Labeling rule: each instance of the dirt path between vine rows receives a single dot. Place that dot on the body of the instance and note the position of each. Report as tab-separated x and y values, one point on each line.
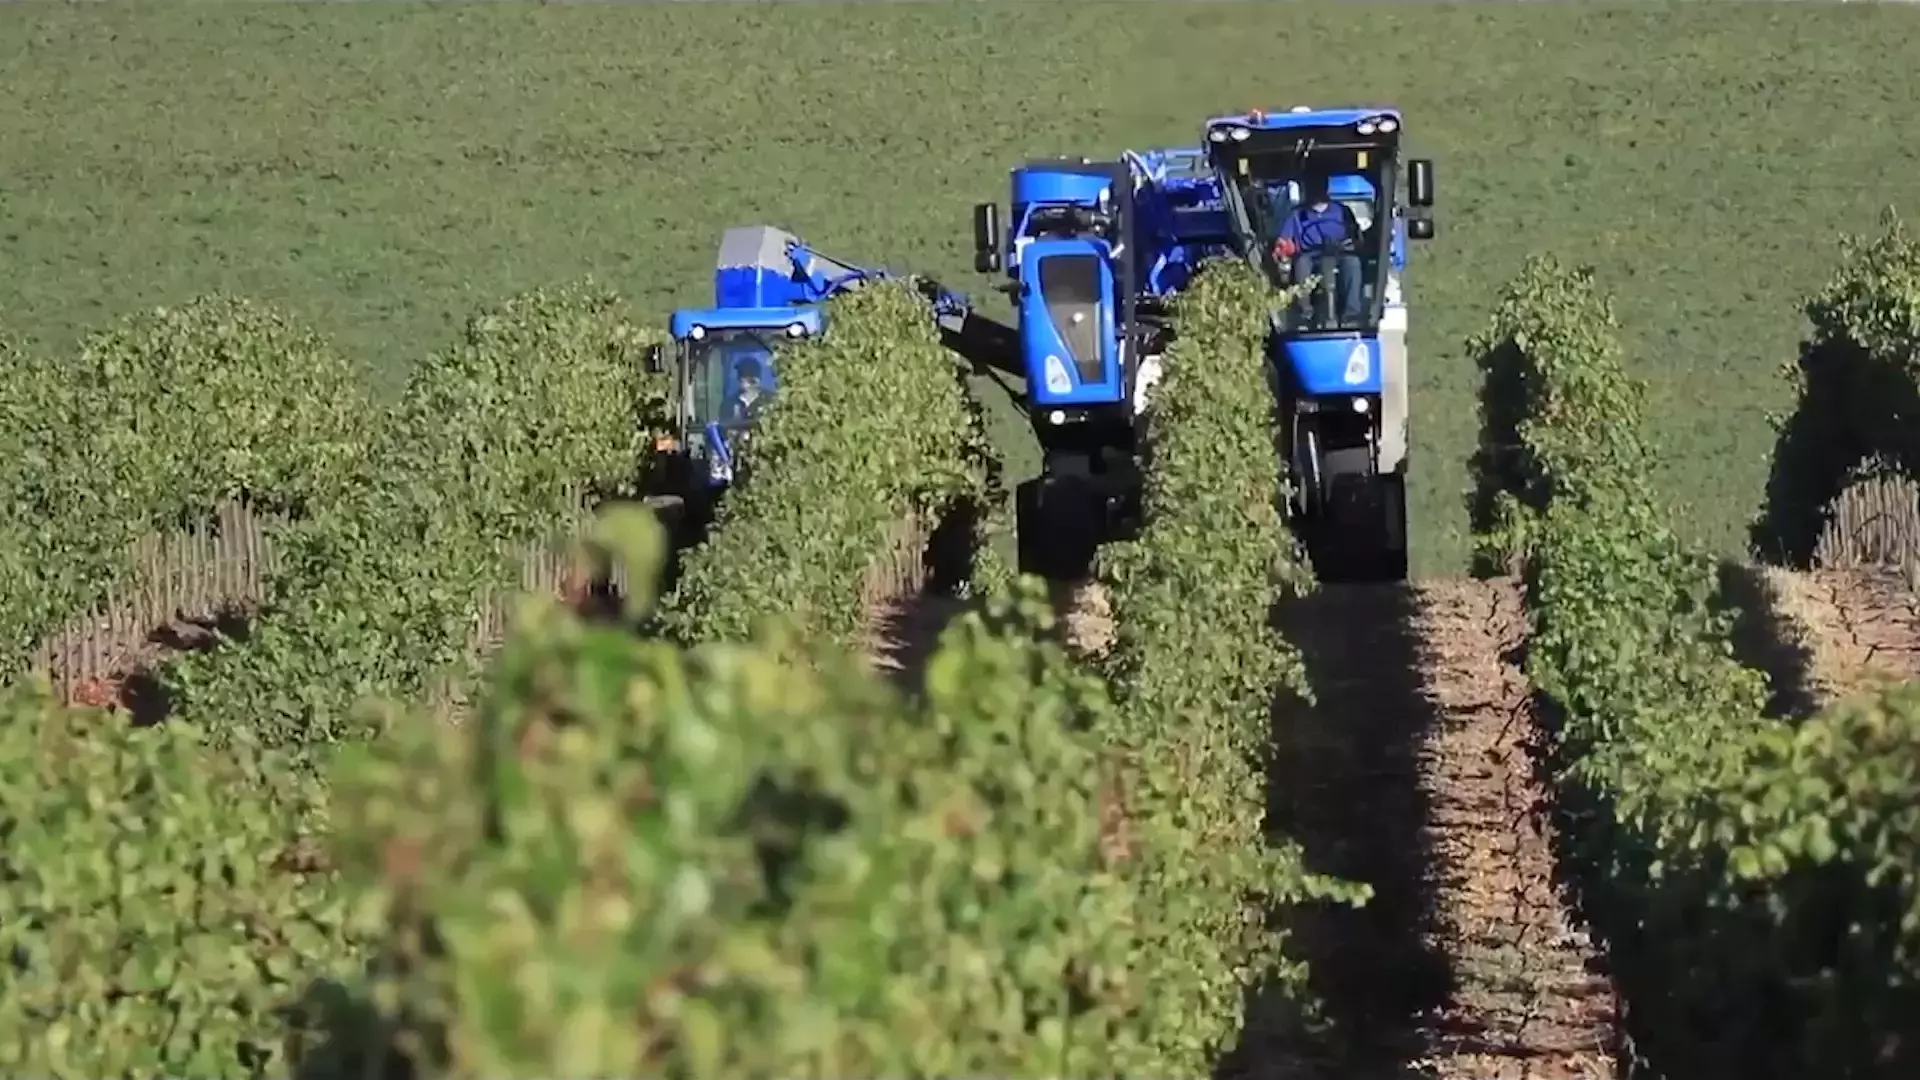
1413	773
1086	616
904	633
1851	629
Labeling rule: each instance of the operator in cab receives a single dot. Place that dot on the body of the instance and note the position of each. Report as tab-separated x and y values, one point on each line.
1322	237
744	409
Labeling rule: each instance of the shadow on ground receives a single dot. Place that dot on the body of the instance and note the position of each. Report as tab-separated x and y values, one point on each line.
1852	413
141	691
905	630
1345	784
1763	641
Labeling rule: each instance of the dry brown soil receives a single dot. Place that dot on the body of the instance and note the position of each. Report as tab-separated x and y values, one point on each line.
903	633
1852	629
1529	998
1413	772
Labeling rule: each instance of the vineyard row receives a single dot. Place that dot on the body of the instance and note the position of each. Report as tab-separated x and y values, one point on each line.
1752	876
726	847
783	813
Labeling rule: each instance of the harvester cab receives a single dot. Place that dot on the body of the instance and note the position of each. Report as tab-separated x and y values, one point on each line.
1339	354
768	290
724	375
1074	280
1093	249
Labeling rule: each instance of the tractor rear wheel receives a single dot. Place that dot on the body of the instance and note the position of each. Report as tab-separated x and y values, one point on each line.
1363	538
1057	527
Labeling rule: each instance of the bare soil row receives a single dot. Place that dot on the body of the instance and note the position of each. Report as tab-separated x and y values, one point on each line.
1845	630
903	633
1414	769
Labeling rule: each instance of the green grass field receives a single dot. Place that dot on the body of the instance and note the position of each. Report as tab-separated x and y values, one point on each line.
385	170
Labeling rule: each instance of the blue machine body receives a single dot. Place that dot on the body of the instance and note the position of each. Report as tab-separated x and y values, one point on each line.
811	319
1068	301
1085	242
768	287
1327	362
1323	366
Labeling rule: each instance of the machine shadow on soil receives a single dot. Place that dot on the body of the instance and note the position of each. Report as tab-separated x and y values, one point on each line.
1344	783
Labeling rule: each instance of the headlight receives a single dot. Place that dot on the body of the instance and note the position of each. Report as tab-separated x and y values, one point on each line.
1366	127
1057	379
1359	366
697	332
1388	125
796	330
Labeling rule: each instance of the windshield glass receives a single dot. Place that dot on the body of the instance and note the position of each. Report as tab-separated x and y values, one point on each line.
729	377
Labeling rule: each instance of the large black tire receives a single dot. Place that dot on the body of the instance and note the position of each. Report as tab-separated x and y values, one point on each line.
1026	525
669	510
1393	507
1368	525
1364	537
1057	527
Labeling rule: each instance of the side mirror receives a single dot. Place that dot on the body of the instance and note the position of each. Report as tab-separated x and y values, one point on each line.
1420	182
986	238
1420	228
656	360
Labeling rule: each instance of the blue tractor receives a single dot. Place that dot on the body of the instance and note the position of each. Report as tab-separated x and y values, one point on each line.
1341	375
769	289
1093	250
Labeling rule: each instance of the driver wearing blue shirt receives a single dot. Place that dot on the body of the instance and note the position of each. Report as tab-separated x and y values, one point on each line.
1322	237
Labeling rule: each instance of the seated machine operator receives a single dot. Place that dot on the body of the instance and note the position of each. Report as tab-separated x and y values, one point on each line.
744	408
1322	236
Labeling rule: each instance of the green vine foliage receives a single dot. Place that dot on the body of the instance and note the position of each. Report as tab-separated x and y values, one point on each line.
1196	666
871	429
491	448
167	905
163	902
1856	389
1874	298
744	859
156	421
1754	879
39	413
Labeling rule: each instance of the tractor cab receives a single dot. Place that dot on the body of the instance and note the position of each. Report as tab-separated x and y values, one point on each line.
1339	352
725	374
1269	164
1377	269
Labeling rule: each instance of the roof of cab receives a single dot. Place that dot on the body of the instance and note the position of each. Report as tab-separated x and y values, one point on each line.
1281	119
811	319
